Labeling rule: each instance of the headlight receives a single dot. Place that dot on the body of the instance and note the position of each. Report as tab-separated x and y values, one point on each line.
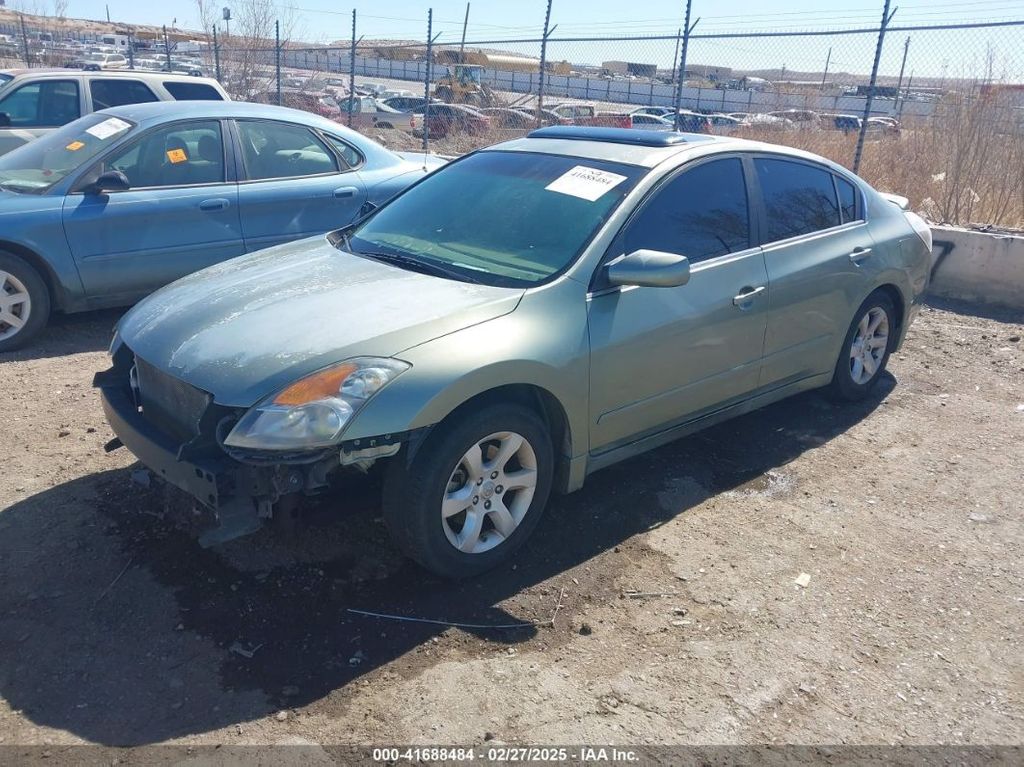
314	411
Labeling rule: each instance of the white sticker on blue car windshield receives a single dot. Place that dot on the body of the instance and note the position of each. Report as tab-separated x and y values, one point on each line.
585	183
108	128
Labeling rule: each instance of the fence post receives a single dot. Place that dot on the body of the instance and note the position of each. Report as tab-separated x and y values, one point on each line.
426	80
352	71
216	54
277	58
24	40
543	62
131	51
167	49
886	18
899	83
682	63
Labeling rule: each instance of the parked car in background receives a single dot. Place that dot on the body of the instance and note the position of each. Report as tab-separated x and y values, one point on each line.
520	319
35	101
656	111
723	124
888	126
634	120
116	204
547	116
445	119
509	119
95	62
692	122
182	67
804	119
766	122
844	123
369	112
404	103
587	114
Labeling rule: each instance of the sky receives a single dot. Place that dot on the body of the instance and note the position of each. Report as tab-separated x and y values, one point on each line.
933	53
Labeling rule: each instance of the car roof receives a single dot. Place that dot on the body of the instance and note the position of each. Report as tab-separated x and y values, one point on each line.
643	148
157	111
107	73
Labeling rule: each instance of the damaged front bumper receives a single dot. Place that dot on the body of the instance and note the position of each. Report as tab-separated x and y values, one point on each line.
241	490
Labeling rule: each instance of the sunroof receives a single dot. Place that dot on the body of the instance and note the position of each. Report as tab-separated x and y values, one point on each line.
617	135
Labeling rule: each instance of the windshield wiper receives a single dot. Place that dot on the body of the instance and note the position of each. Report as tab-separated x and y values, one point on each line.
416	265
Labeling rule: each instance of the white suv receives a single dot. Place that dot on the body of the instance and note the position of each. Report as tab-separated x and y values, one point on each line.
35	101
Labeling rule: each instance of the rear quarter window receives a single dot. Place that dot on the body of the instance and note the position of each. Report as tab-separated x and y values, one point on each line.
192	91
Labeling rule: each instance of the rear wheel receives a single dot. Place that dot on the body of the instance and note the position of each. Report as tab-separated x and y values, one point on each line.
474	491
24	302
866	348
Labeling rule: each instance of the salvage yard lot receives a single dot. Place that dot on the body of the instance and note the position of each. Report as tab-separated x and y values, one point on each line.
671	578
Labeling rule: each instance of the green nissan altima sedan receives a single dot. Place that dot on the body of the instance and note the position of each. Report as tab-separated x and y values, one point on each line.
513	322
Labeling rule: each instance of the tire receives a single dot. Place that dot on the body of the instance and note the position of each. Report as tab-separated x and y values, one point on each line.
853	378
19	279
414	495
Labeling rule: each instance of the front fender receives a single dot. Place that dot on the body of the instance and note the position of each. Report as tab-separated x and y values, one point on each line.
33	225
524	347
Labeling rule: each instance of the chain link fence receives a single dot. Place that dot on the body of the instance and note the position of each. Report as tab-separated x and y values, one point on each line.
939	118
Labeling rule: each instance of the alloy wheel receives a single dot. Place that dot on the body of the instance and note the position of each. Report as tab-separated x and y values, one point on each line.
15	305
489	492
869	345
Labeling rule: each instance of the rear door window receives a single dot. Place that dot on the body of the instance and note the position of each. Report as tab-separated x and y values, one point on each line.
798	198
115	93
282	150
192	91
42	104
701	213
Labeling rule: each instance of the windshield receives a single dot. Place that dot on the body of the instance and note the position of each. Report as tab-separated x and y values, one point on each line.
5	78
502	218
39	165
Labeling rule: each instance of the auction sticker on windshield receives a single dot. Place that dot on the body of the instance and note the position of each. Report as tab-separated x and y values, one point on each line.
585	183
108	128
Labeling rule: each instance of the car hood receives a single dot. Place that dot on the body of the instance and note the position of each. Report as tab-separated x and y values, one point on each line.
243	329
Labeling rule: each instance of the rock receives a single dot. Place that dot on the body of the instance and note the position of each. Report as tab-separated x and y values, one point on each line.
282	716
977	517
679	611
802	580
356	659
681	623
805	688
489	735
63	433
586	630
1013	339
140	477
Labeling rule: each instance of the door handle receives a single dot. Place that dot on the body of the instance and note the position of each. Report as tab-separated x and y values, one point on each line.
217	203
345	191
746	296
859	254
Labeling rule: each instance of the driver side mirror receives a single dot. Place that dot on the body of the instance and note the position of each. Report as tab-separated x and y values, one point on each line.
649	269
5	120
111	181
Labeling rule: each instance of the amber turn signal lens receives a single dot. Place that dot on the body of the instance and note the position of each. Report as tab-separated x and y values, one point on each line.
320	385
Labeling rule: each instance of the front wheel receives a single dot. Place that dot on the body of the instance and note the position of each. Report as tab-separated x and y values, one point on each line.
24	302
866	348
474	491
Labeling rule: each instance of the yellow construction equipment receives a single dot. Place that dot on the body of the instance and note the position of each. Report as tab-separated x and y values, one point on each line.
464	85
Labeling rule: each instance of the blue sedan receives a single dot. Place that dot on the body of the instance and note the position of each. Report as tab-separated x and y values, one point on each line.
112	206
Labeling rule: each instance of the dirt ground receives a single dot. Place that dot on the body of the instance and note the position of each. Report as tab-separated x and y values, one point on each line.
905	512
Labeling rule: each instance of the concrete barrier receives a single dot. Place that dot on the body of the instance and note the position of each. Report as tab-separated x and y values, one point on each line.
982	267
